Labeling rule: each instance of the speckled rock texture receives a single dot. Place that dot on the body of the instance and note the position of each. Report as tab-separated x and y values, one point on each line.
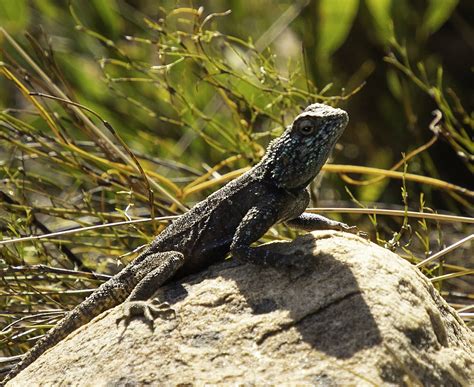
357	314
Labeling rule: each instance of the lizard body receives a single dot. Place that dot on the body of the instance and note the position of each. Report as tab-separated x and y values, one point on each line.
229	220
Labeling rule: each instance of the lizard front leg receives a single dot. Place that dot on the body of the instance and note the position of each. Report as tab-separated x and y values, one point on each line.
155	269
310	222
253	226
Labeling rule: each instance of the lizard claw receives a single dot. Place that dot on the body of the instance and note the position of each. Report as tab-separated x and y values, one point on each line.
347	228
149	310
353	230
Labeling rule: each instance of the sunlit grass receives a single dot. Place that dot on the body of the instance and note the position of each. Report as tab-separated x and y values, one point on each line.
193	109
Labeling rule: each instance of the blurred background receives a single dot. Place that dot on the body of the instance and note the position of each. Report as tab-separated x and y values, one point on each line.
341	43
194	91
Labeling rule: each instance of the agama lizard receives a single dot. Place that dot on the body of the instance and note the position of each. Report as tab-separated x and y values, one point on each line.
229	220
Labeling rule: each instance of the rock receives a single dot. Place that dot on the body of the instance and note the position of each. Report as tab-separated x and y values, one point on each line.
357	314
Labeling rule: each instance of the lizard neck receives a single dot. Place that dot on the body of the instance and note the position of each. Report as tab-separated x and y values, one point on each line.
295	158
263	172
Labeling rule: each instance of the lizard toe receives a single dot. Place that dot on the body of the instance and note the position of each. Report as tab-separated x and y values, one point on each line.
363	234
149	310
353	230
347	228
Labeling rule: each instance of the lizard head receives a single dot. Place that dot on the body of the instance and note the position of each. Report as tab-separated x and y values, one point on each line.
294	159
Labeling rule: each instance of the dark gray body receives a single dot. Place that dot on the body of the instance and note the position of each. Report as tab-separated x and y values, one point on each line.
208	230
230	220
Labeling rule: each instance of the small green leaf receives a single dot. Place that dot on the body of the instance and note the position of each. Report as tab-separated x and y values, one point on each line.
336	18
381	14
373	192
436	15
108	14
394	84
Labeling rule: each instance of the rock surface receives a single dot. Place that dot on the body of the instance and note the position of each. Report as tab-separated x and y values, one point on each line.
356	315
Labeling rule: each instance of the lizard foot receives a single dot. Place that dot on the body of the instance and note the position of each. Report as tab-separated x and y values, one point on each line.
149	309
352	229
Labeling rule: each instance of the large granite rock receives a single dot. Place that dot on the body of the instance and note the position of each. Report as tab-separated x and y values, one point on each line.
356	315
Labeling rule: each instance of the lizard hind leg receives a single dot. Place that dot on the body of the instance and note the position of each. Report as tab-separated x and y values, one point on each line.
159	267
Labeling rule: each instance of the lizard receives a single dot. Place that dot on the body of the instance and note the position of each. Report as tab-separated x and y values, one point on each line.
231	219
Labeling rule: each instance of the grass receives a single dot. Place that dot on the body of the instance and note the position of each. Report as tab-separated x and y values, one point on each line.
172	114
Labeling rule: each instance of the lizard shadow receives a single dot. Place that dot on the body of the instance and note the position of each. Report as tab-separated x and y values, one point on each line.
325	302
323	299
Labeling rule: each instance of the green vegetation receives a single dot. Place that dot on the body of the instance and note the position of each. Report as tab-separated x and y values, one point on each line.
113	112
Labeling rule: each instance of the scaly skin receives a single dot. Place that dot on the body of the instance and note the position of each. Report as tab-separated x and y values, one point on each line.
230	220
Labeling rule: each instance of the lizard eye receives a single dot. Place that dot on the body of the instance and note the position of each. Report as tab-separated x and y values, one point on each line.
306	127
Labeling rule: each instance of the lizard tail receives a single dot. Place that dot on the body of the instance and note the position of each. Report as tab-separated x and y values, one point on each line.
108	295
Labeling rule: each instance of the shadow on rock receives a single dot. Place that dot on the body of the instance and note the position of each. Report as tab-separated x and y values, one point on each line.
323	299
325	303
